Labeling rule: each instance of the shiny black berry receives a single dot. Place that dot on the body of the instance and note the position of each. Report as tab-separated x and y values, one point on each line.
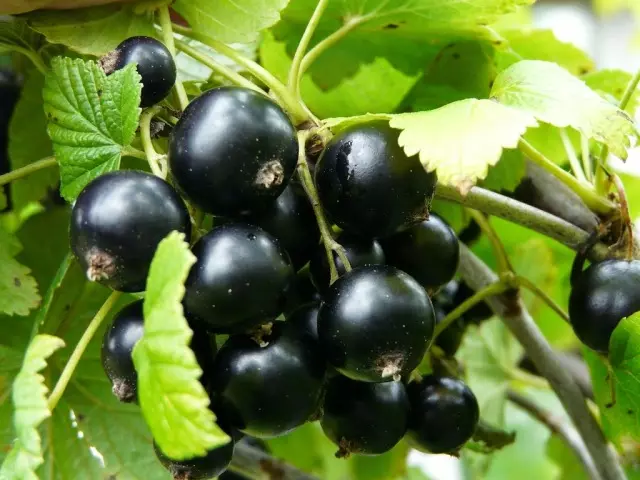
241	278
153	62
375	324
428	251
451	337
601	296
117	348
233	150
360	252
267	391
306	318
364	418
368	185
210	466
291	220
444	414
9	94
302	292
117	222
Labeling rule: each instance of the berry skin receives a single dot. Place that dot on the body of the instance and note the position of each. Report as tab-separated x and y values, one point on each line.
428	251
241	279
214	463
232	151
306	318
302	293
368	186
450	338
291	220
375	324
360	252
364	418
117	349
117	222
268	391
444	414
601	296
153	62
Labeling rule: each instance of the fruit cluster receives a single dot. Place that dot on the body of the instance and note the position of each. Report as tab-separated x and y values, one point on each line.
299	348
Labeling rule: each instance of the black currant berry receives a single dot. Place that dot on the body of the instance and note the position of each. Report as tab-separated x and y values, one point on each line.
306	318
369	186
233	150
444	414
360	252
364	418
117	349
428	251
9	94
291	220
241	279
211	465
270	390
375	324
301	293
153	62
470	234
117	222
601	296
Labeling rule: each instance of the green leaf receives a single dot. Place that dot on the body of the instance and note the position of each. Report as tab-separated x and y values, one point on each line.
29	142
91	31
554	96
357	95
171	397
621	420
389	465
612	85
536	44
29	398
15	35
408	33
92	117
461	140
565	459
18	289
231	21
507	174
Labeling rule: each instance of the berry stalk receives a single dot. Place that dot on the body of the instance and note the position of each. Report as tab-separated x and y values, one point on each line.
167	36
27	170
325	231
82	345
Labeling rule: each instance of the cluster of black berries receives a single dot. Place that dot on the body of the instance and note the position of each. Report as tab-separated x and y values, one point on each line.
299	349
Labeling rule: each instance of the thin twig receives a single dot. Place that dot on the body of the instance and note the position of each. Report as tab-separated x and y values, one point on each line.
529	285
258	465
504	265
516	317
514	211
559	428
82	345
21	172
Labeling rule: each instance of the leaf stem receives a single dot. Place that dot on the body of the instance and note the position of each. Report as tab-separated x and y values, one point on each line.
167	36
27	170
330	41
594	201
538	292
226	72
330	245
558	428
153	157
572	156
587	164
72	363
480	296
290	103
295	71
130	151
498	248
516	317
